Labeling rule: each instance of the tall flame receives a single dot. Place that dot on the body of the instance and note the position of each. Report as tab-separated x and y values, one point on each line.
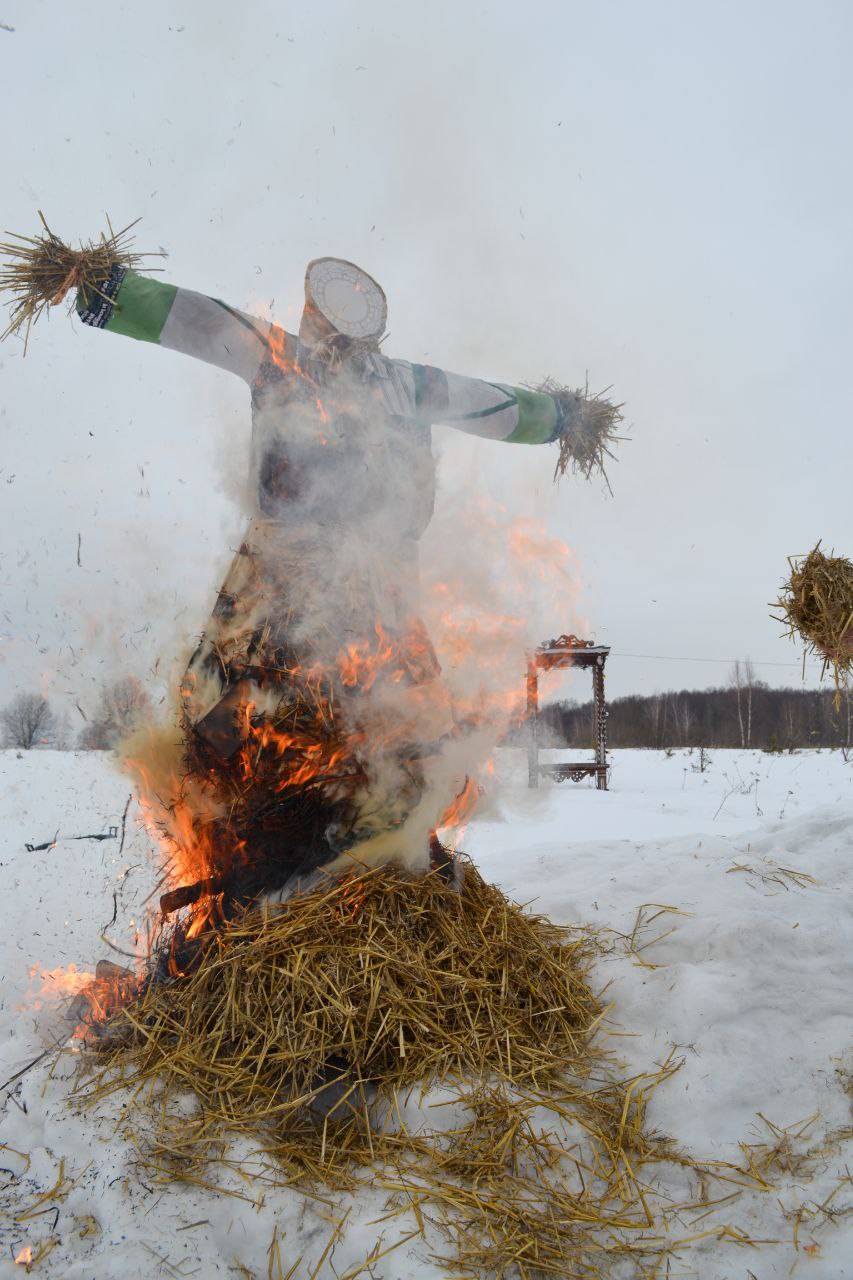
451	683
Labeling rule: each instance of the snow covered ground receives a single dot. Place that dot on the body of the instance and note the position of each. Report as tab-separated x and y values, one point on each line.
751	986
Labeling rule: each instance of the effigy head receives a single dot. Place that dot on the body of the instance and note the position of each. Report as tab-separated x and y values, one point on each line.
342	301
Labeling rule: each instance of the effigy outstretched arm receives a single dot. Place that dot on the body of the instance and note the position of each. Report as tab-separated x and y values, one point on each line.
37	272
583	425
178	319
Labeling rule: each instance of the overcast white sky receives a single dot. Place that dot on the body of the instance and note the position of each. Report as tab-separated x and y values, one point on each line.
656	194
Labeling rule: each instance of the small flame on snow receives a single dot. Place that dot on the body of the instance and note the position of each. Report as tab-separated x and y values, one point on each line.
53	984
457	816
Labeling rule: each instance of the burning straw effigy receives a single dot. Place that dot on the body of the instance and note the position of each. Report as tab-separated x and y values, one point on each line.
318	729
320	952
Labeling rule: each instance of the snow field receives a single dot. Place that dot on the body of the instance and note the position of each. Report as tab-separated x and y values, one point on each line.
747	866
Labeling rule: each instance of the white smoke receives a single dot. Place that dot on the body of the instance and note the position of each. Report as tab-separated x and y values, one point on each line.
352	568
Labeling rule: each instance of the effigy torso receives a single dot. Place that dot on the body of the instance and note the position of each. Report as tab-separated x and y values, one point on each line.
326	451
314	691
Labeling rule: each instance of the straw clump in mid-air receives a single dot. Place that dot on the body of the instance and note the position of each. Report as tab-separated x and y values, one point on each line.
817	605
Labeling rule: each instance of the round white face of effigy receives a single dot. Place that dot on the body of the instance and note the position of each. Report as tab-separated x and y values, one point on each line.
349	299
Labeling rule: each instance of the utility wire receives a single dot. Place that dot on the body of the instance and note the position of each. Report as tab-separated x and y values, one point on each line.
662	657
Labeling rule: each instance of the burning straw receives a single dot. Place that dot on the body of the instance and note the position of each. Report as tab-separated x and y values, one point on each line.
817	605
38	271
589	432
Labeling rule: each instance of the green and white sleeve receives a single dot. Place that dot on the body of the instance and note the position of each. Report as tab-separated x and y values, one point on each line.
493	410
178	319
582	426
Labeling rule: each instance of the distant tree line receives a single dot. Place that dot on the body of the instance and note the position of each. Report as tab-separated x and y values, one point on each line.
29	722
745	716
744	713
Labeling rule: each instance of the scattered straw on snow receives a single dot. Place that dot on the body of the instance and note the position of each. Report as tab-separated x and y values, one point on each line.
308	1027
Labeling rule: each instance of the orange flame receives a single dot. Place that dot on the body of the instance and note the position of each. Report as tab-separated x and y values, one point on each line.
480	627
281	349
459	813
480	620
97	996
56	984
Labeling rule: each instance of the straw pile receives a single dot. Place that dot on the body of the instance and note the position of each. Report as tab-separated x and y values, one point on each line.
589	431
308	1031
817	605
38	271
379	979
303	1028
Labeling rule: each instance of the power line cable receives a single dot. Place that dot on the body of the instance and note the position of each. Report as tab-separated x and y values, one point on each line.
662	657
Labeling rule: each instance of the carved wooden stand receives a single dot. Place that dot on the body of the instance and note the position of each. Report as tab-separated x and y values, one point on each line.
568	651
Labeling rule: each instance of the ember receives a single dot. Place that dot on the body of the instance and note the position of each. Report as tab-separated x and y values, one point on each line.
111	987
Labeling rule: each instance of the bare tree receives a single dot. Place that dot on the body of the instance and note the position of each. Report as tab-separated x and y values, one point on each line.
750	682
655	709
63	735
743	680
27	722
736	682
790	731
683	717
120	705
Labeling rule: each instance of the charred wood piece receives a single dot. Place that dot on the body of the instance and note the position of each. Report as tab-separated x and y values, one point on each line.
37	848
111	834
187	894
